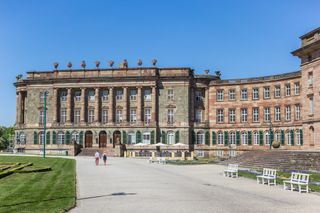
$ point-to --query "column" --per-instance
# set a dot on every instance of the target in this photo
(110, 111)
(153, 104)
(206, 116)
(192, 100)
(96, 105)
(139, 113)
(83, 106)
(18, 107)
(125, 105)
(54, 105)
(69, 106)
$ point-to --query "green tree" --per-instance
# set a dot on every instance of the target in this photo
(6, 136)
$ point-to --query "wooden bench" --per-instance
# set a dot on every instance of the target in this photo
(270, 175)
(298, 180)
(232, 170)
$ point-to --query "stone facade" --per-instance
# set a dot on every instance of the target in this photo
(105, 108)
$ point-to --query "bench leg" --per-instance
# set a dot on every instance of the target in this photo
(291, 185)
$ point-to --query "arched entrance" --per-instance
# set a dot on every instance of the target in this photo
(88, 139)
(116, 138)
(102, 139)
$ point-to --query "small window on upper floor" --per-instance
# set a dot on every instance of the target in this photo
(266, 92)
(199, 95)
(63, 96)
(91, 95)
(255, 94)
(119, 94)
(232, 95)
(41, 97)
(170, 95)
(77, 95)
(220, 95)
(288, 90)
(104, 95)
(310, 79)
(277, 91)
(244, 94)
(297, 88)
(133, 94)
(147, 95)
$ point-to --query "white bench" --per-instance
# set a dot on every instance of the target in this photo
(163, 160)
(157, 160)
(232, 170)
(297, 179)
(270, 175)
(153, 160)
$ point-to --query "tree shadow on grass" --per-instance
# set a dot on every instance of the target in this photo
(36, 201)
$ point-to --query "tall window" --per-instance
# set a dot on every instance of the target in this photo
(75, 136)
(267, 138)
(232, 115)
(119, 94)
(244, 115)
(255, 114)
(256, 138)
(133, 115)
(277, 91)
(311, 106)
(131, 138)
(288, 90)
(244, 137)
(146, 138)
(133, 94)
(266, 92)
(41, 97)
(118, 116)
(90, 115)
(220, 116)
(91, 95)
(41, 138)
(104, 116)
(255, 94)
(277, 113)
(170, 95)
(288, 113)
(298, 137)
(41, 117)
(298, 112)
(220, 95)
(220, 138)
(244, 94)
(288, 138)
(297, 88)
(170, 138)
(63, 115)
(77, 95)
(170, 116)
(104, 95)
(147, 95)
(232, 138)
(198, 115)
(310, 79)
(63, 96)
(60, 138)
(147, 115)
(199, 95)
(232, 94)
(277, 136)
(267, 114)
(76, 119)
(200, 138)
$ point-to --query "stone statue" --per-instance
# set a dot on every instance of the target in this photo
(206, 72)
(154, 62)
(83, 64)
(111, 63)
(69, 65)
(56, 65)
(218, 73)
(97, 64)
(124, 64)
(18, 77)
(139, 62)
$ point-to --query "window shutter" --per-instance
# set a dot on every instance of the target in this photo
(226, 138)
(261, 137)
(249, 138)
(124, 137)
(138, 136)
(301, 137)
(48, 138)
(164, 137)
(214, 138)
(177, 136)
(54, 137)
(193, 137)
(282, 137)
(207, 138)
(35, 138)
(271, 136)
(292, 137)
(152, 137)
(81, 138)
(68, 137)
(238, 138)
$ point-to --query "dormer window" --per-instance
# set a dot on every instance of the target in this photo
(104, 95)
(91, 95)
(63, 96)
(77, 95)
(147, 95)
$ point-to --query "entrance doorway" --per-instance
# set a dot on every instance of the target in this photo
(102, 139)
(88, 139)
(116, 138)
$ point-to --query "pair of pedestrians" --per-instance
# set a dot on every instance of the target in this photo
(97, 156)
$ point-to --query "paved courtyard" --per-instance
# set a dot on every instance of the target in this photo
(133, 185)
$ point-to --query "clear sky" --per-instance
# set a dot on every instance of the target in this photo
(244, 38)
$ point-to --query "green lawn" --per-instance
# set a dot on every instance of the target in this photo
(49, 191)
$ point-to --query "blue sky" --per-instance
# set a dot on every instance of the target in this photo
(244, 38)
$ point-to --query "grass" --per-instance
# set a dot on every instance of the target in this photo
(193, 162)
(281, 176)
(49, 191)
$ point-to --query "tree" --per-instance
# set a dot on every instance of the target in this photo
(6, 136)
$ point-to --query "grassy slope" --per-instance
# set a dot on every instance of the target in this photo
(51, 191)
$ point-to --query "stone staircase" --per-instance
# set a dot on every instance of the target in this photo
(111, 152)
(281, 160)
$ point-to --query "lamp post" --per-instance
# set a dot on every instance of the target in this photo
(44, 122)
(270, 135)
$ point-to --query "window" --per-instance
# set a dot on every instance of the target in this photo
(266, 92)
(41, 117)
(232, 115)
(267, 138)
(255, 94)
(170, 116)
(311, 106)
(41, 138)
(244, 138)
(267, 114)
(297, 88)
(232, 94)
(119, 94)
(233, 153)
(200, 138)
(220, 116)
(198, 115)
(170, 95)
(147, 115)
(288, 138)
(147, 95)
(104, 95)
(310, 79)
(200, 153)
(298, 112)
(219, 153)
(220, 138)
(118, 116)
(278, 136)
(131, 138)
(256, 138)
(41, 97)
(298, 137)
(277, 113)
(288, 113)
(133, 94)
(220, 95)
(77, 95)
(63, 115)
(255, 114)
(63, 96)
(22, 138)
(75, 137)
(60, 138)
(104, 116)
(244, 115)
(91, 95)
(244, 94)
(146, 138)
(170, 137)
(232, 138)
(90, 116)
(277, 92)
(288, 90)
(76, 118)
(199, 95)
(133, 115)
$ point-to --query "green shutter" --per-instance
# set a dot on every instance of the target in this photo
(124, 137)
(193, 137)
(292, 137)
(207, 138)
(282, 137)
(238, 138)
(214, 138)
(301, 137)
(81, 138)
(226, 138)
(271, 136)
(177, 136)
(35, 138)
(249, 138)
(152, 137)
(48, 138)
(164, 137)
(54, 137)
(68, 137)
(261, 138)
(138, 136)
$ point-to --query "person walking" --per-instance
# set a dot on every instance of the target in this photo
(97, 157)
(104, 157)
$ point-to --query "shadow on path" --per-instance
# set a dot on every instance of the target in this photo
(109, 195)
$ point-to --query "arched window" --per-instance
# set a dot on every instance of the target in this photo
(61, 138)
(244, 138)
(22, 138)
(75, 136)
(267, 138)
(200, 137)
(256, 138)
(232, 138)
(220, 137)
(170, 137)
(41, 137)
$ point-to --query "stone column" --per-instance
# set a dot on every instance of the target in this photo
(153, 104)
(125, 105)
(192, 100)
(83, 106)
(54, 105)
(110, 111)
(18, 108)
(69, 106)
(139, 112)
(96, 105)
(206, 105)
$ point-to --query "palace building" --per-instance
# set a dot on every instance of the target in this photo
(118, 108)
